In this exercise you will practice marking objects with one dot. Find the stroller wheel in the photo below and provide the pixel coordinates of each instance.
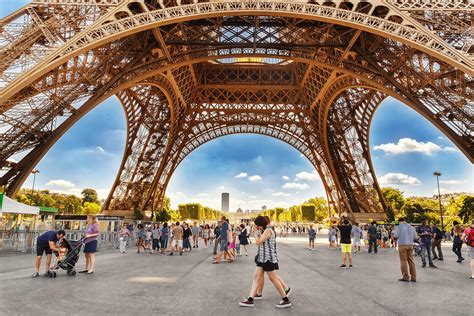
(73, 272)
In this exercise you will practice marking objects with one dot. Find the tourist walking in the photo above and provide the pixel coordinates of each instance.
(206, 234)
(195, 231)
(345, 228)
(457, 240)
(140, 237)
(312, 236)
(124, 235)
(47, 243)
(224, 241)
(164, 238)
(238, 232)
(405, 234)
(91, 233)
(177, 242)
(372, 237)
(267, 262)
(332, 237)
(436, 242)
(424, 232)
(244, 239)
(155, 237)
(217, 233)
(187, 234)
(357, 235)
(468, 236)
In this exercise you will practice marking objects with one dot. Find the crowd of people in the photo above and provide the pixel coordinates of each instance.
(231, 241)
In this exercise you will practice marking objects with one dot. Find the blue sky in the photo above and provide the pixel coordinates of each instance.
(405, 149)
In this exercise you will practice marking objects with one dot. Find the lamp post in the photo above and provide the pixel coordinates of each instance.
(438, 174)
(34, 172)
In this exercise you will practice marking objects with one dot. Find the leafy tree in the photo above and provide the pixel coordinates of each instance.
(308, 212)
(91, 208)
(163, 215)
(89, 195)
(466, 212)
(395, 201)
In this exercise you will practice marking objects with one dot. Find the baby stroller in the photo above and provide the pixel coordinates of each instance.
(69, 259)
(417, 249)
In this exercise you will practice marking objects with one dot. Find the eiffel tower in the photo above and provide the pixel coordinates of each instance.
(310, 73)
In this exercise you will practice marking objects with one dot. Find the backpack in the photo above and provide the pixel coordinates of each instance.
(470, 238)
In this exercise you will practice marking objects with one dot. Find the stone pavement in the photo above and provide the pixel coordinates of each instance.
(132, 284)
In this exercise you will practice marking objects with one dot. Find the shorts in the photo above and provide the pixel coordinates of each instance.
(178, 243)
(91, 247)
(333, 238)
(311, 238)
(268, 266)
(41, 248)
(357, 242)
(224, 246)
(346, 248)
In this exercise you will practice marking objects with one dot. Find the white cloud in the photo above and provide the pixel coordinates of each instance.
(203, 194)
(255, 178)
(61, 183)
(73, 191)
(451, 182)
(450, 149)
(242, 175)
(440, 137)
(285, 178)
(398, 178)
(308, 176)
(406, 145)
(252, 197)
(100, 149)
(297, 186)
(221, 188)
(281, 194)
(442, 191)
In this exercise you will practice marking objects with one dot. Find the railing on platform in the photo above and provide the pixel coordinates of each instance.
(25, 241)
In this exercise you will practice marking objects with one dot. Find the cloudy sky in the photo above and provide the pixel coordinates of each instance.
(256, 170)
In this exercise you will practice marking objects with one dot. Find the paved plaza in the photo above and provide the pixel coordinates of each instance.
(132, 284)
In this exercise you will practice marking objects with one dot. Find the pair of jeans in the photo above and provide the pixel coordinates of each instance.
(186, 243)
(373, 244)
(457, 249)
(437, 245)
(426, 249)
(156, 244)
(164, 242)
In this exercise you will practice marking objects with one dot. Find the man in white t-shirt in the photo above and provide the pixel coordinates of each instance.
(357, 235)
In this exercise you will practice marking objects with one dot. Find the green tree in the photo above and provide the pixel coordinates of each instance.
(163, 215)
(89, 195)
(91, 208)
(395, 201)
(308, 212)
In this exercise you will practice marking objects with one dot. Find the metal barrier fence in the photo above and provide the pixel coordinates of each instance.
(25, 241)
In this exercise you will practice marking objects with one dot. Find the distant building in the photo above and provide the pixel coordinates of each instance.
(225, 202)
(239, 211)
(264, 208)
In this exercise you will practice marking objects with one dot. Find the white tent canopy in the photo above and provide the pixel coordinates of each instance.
(8, 205)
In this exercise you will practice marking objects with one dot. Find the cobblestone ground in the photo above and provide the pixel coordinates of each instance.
(132, 284)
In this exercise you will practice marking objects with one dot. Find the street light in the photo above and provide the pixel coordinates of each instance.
(34, 172)
(438, 174)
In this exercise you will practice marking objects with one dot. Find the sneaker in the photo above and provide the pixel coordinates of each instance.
(170, 254)
(404, 280)
(180, 253)
(288, 291)
(351, 267)
(433, 266)
(423, 265)
(258, 297)
(283, 304)
(413, 280)
(343, 266)
(440, 259)
(36, 274)
(246, 303)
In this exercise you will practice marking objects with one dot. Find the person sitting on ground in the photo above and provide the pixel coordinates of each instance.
(47, 243)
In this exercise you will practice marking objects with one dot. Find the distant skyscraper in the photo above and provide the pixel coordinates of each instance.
(225, 202)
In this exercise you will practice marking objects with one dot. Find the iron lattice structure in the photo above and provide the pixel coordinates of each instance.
(310, 73)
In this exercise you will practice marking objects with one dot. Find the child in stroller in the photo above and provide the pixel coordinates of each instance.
(67, 258)
(417, 248)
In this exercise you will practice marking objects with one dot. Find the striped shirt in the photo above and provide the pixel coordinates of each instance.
(268, 250)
